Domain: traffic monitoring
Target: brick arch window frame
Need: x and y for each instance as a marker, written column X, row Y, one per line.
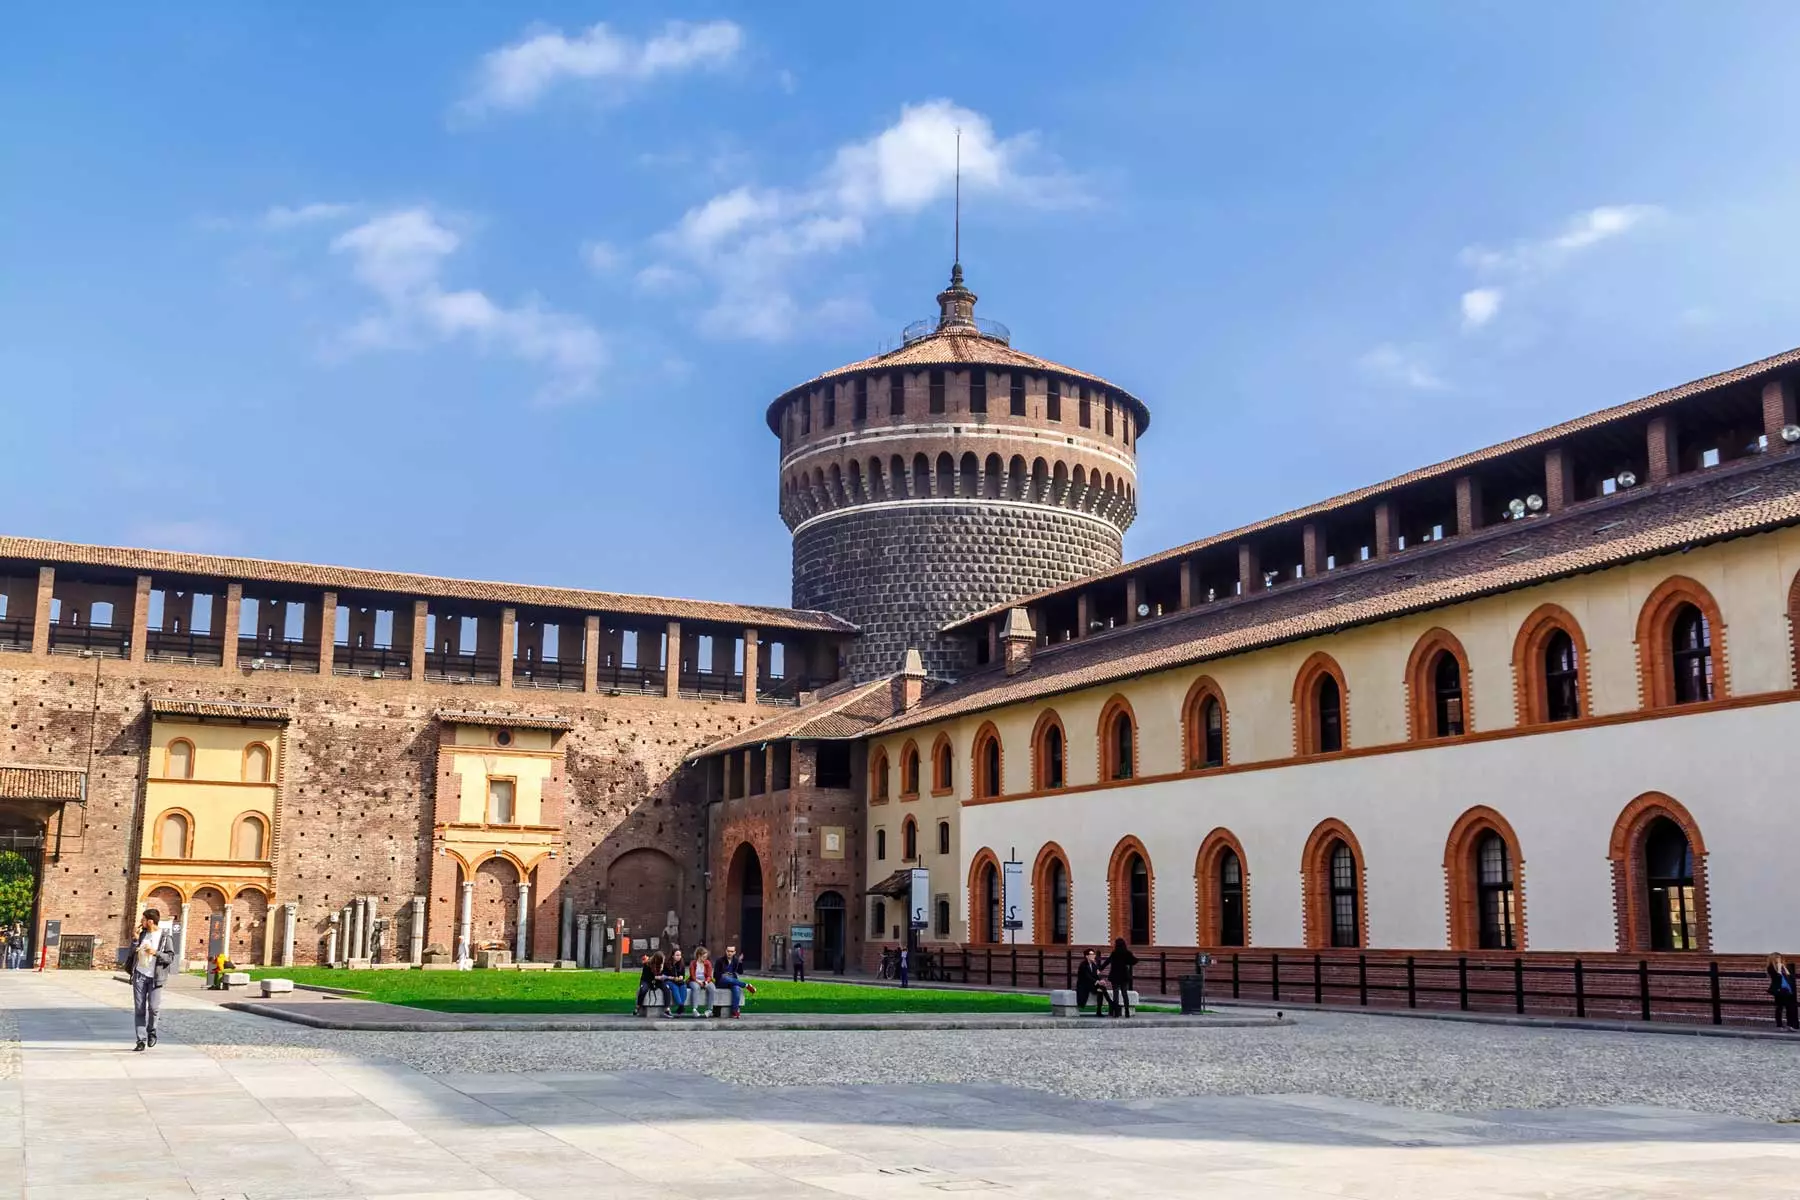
column 262, row 837
column 1209, row 899
column 1421, row 685
column 879, row 777
column 943, row 766
column 169, row 758
column 1043, row 898
column 1108, row 741
column 1793, row 616
column 910, row 766
column 1040, row 752
column 984, row 859
column 1118, row 891
column 1631, row 887
column 1315, row 883
column 1655, row 636
column 157, row 848
column 1531, row 694
column 1462, row 879
column 1318, row 666
column 1193, row 724
column 909, row 840
column 984, row 787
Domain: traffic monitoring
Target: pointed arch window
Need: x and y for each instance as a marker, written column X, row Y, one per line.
column 1049, row 753
column 1669, row 877
column 1118, row 741
column 1437, row 675
column 1681, row 645
column 1050, row 896
column 988, row 775
column 909, row 772
column 1203, row 721
column 1231, row 899
column 1498, row 921
column 1321, row 721
column 909, row 841
column 1345, row 920
column 1691, row 647
column 878, row 777
column 943, row 767
column 881, row 845
column 1549, row 656
column 1562, row 678
column 1132, row 884
column 990, row 903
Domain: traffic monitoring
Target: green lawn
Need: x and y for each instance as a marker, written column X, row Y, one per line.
column 604, row 991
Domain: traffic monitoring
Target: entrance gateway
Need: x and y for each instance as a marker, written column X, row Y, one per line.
column 32, row 813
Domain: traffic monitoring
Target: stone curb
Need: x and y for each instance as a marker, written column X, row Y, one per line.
column 622, row 1024
column 1589, row 1025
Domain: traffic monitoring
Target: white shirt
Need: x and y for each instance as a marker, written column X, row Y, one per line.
column 145, row 958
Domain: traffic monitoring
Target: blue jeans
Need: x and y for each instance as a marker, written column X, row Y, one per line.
column 737, row 990
column 678, row 994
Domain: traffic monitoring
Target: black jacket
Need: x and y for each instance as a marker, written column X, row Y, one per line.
column 1777, row 977
column 1118, row 966
column 729, row 964
column 1087, row 982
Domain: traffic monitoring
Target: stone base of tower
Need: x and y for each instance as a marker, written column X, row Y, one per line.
column 901, row 573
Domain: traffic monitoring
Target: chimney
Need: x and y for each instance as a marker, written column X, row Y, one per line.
column 1016, row 641
column 909, row 684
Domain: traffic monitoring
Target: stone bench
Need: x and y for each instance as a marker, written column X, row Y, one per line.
column 237, row 979
column 1062, row 1003
column 277, row 987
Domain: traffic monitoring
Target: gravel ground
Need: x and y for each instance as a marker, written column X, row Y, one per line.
column 1432, row 1065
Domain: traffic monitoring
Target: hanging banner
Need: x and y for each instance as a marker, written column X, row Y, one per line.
column 1012, row 895
column 921, row 898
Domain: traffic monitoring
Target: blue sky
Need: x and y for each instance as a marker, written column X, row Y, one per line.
column 503, row 291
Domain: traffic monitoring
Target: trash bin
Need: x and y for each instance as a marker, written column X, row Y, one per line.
column 1193, row 993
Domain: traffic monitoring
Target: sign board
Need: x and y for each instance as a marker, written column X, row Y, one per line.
column 1012, row 877
column 920, row 905
column 800, row 935
column 52, row 934
column 215, row 938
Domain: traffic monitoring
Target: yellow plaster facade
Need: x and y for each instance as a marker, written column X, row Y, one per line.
column 210, row 807
column 485, row 768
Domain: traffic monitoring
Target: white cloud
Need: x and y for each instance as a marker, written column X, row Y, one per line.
column 1536, row 256
column 602, row 258
column 658, row 278
column 749, row 242
column 400, row 257
column 517, row 76
column 1407, row 367
column 283, row 216
column 1479, row 306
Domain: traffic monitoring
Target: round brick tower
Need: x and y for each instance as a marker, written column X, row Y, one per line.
column 949, row 475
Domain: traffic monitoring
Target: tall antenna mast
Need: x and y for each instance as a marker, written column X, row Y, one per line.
column 958, row 250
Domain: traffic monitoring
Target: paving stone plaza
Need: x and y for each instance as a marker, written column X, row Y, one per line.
column 234, row 1105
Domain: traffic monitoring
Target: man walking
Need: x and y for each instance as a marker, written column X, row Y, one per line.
column 799, row 958
column 151, row 960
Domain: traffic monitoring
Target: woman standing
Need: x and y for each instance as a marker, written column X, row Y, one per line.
column 1118, row 966
column 1781, row 989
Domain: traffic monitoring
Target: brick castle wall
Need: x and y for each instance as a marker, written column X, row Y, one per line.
column 357, row 795
column 900, row 573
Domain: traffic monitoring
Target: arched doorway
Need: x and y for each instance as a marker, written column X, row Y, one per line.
column 744, row 900
column 207, row 903
column 494, row 908
column 828, row 954
column 21, row 878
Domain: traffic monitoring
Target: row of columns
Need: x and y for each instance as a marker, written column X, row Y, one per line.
column 327, row 626
column 1779, row 410
column 352, row 935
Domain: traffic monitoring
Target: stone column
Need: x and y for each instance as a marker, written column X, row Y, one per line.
column 509, row 640
column 140, row 619
column 186, row 910
column 290, row 917
column 331, row 942
column 1249, row 569
column 371, row 906
column 234, row 608
column 590, row 653
column 565, row 945
column 415, row 928
column 597, row 941
column 1778, row 410
column 1663, row 450
column 225, row 933
column 416, row 658
column 463, row 921
column 327, row 632
column 581, row 941
column 672, row 662
column 1468, row 504
column 40, row 618
column 521, row 938
column 355, row 949
column 751, row 658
